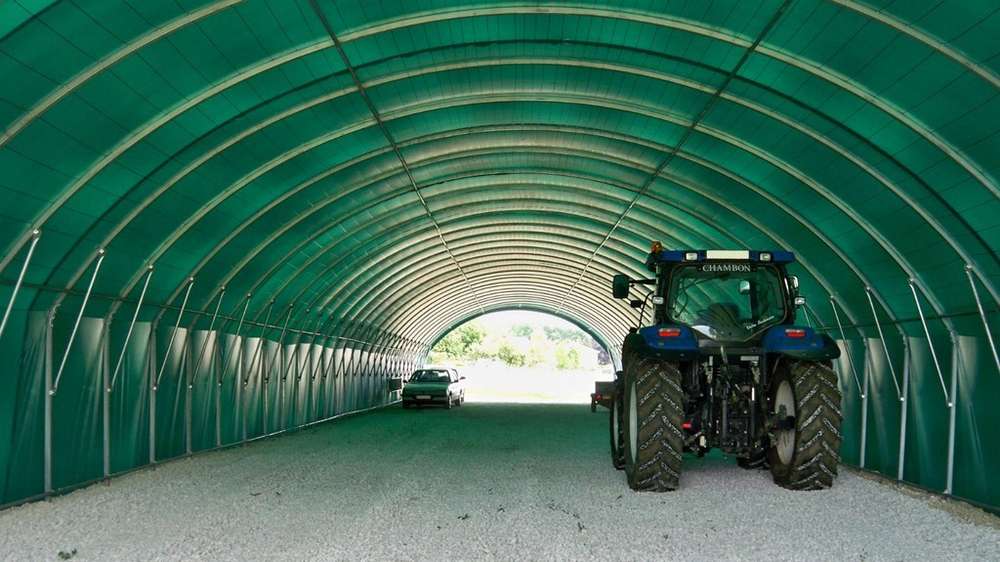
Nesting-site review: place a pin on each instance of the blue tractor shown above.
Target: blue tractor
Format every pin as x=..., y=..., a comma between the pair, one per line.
x=724, y=365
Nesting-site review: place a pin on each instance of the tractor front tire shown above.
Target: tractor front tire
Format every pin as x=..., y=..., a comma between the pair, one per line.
x=805, y=456
x=652, y=418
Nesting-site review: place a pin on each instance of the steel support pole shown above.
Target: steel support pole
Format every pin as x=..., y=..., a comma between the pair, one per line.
x=306, y=367
x=173, y=333
x=863, y=388
x=47, y=452
x=881, y=338
x=902, y=414
x=151, y=378
x=106, y=402
x=280, y=422
x=188, y=396
x=260, y=344
x=217, y=389
x=327, y=370
x=201, y=356
x=76, y=325
x=843, y=336
x=955, y=366
x=52, y=386
x=222, y=374
x=279, y=359
x=930, y=342
x=211, y=334
x=253, y=365
x=979, y=307
x=35, y=236
x=131, y=328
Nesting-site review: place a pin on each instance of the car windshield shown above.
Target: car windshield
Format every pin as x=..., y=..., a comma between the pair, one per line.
x=431, y=376
x=726, y=301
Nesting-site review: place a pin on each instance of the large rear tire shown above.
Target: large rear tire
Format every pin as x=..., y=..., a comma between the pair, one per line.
x=805, y=456
x=616, y=430
x=653, y=414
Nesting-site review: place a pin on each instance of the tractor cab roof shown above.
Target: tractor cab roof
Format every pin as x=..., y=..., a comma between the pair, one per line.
x=659, y=255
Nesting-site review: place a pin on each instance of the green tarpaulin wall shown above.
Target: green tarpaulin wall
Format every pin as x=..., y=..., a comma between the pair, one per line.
x=323, y=188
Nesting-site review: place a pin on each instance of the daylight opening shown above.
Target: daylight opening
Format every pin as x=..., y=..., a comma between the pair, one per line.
x=523, y=356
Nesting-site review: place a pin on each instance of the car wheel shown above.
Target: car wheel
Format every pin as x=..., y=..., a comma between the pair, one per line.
x=450, y=402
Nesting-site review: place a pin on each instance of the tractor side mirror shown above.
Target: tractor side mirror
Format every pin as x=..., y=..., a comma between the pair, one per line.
x=794, y=280
x=635, y=303
x=800, y=301
x=744, y=287
x=619, y=286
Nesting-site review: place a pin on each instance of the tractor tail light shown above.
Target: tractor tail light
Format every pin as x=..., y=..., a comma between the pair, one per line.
x=795, y=333
x=670, y=332
x=686, y=425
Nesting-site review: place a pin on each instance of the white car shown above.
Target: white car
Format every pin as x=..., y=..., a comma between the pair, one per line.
x=441, y=386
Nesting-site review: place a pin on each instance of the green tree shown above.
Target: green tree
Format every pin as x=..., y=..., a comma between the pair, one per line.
x=510, y=356
x=567, y=358
x=522, y=331
x=558, y=334
x=462, y=342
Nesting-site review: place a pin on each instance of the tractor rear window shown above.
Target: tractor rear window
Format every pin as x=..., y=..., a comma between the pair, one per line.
x=726, y=301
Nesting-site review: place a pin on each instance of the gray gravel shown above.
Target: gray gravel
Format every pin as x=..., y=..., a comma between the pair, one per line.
x=486, y=481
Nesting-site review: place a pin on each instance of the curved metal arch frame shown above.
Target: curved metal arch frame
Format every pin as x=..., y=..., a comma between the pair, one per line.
x=537, y=295
x=361, y=302
x=497, y=284
x=435, y=328
x=760, y=192
x=348, y=298
x=501, y=268
x=660, y=21
x=771, y=235
x=688, y=83
x=351, y=297
x=347, y=235
x=417, y=304
x=773, y=115
x=800, y=62
x=805, y=180
x=503, y=294
x=302, y=149
x=398, y=233
x=385, y=199
x=381, y=318
x=608, y=347
x=315, y=208
x=411, y=295
x=521, y=200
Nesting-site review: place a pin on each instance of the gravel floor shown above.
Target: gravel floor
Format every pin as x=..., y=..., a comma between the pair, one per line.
x=486, y=481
